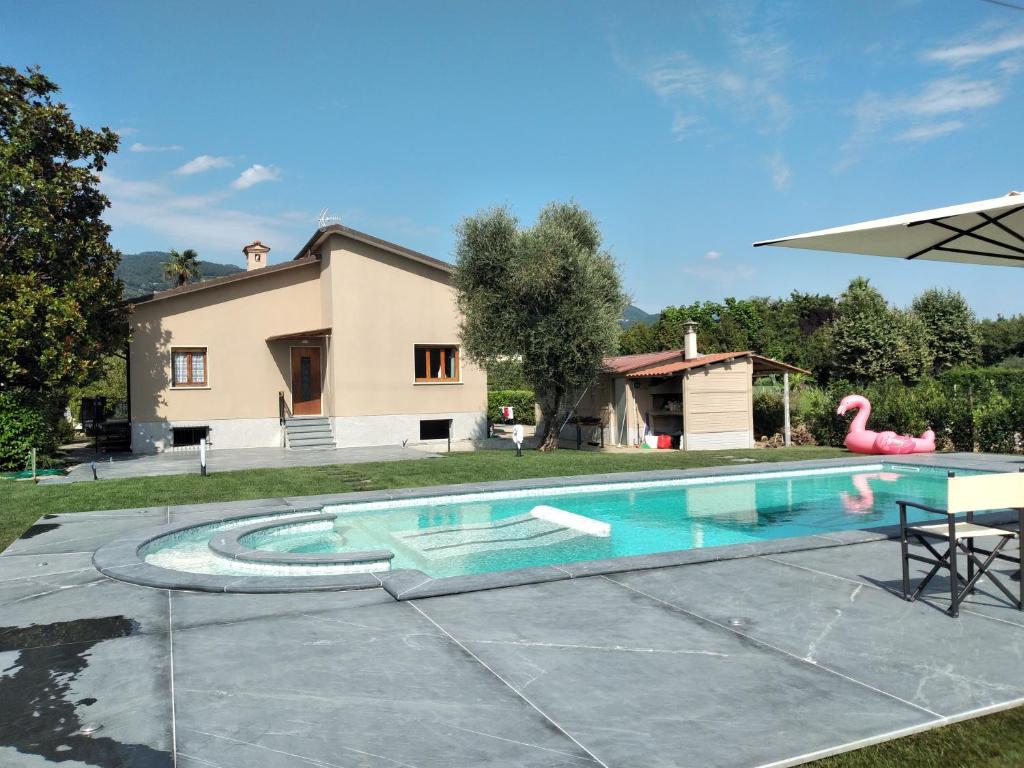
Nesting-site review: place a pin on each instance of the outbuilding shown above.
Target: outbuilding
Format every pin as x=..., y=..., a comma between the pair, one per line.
x=701, y=402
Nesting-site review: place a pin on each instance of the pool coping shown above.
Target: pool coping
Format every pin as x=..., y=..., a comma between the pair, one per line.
x=120, y=559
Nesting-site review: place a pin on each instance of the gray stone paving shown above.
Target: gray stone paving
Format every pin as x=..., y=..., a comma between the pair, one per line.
x=231, y=459
x=765, y=660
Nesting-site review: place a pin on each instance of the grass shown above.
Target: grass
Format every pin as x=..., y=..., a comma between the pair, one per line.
x=995, y=741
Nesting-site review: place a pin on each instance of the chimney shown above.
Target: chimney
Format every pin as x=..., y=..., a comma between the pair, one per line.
x=255, y=255
x=690, y=340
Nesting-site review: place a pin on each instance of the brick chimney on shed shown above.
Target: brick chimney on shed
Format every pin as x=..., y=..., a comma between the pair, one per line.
x=255, y=255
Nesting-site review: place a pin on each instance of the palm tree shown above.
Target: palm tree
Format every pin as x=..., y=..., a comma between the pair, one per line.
x=183, y=268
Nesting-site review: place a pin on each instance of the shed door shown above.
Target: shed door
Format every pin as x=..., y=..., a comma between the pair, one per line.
x=306, y=381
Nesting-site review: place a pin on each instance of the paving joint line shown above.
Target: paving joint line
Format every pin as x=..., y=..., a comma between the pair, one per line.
x=764, y=644
x=507, y=684
x=170, y=642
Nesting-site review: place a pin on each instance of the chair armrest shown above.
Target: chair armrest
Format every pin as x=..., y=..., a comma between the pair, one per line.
x=917, y=505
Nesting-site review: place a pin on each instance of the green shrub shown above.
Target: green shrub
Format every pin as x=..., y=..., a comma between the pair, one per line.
x=768, y=413
x=521, y=400
x=26, y=422
x=995, y=425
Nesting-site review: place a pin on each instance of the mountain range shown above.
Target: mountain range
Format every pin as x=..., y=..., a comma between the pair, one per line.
x=143, y=273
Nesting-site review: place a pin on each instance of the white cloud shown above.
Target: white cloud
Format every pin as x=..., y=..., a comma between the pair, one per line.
x=256, y=174
x=743, y=78
x=126, y=131
x=681, y=124
x=978, y=49
x=946, y=96
x=781, y=172
x=930, y=131
x=200, y=222
x=713, y=255
x=201, y=164
x=954, y=94
x=137, y=147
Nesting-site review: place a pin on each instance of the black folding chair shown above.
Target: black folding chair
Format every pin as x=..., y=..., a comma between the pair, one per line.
x=966, y=495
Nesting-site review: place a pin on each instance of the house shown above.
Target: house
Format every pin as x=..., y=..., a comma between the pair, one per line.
x=354, y=342
x=702, y=402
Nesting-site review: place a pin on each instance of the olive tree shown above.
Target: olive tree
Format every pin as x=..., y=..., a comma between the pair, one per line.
x=547, y=294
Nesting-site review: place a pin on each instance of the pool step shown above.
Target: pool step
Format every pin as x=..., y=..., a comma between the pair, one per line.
x=521, y=532
x=305, y=432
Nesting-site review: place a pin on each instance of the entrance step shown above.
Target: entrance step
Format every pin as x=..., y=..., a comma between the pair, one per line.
x=309, y=432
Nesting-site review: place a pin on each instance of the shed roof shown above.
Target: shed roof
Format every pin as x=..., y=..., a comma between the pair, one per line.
x=627, y=363
x=671, y=362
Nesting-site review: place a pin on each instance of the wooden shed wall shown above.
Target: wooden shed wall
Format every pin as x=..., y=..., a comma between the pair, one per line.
x=718, y=406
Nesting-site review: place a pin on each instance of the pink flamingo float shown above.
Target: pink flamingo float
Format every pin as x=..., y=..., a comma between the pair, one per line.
x=861, y=440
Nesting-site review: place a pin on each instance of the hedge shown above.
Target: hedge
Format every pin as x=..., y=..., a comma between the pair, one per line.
x=969, y=409
x=27, y=421
x=521, y=400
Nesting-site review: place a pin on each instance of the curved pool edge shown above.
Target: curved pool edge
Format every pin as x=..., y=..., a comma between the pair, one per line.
x=120, y=558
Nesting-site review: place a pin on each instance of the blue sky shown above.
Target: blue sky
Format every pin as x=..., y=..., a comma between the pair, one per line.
x=689, y=129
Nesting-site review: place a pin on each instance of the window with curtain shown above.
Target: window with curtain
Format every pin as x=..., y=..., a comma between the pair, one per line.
x=436, y=364
x=188, y=367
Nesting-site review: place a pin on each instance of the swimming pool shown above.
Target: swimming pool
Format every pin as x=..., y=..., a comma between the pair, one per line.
x=481, y=533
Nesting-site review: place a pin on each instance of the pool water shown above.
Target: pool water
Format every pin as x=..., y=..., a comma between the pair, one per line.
x=479, y=533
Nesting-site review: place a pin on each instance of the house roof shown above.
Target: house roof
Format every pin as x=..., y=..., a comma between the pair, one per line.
x=399, y=250
x=307, y=255
x=671, y=362
x=216, y=282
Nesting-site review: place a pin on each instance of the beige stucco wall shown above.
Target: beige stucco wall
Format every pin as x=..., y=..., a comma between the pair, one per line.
x=382, y=306
x=233, y=322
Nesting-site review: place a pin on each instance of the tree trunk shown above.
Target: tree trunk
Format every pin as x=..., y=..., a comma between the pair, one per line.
x=551, y=420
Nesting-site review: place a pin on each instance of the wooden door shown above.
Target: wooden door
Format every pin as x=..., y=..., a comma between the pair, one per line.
x=306, y=381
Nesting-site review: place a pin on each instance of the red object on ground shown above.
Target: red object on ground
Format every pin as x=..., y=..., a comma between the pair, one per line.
x=664, y=441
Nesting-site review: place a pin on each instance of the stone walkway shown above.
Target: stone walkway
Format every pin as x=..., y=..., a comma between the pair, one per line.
x=760, y=661
x=228, y=459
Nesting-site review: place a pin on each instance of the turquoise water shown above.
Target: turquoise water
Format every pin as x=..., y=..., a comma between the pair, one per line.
x=493, y=532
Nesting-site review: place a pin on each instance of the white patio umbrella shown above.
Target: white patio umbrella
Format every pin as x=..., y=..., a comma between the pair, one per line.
x=985, y=232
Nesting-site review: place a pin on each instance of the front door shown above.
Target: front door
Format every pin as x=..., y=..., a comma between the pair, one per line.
x=305, y=381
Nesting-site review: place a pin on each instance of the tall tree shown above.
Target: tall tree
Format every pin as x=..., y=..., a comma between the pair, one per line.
x=182, y=268
x=869, y=340
x=548, y=294
x=1001, y=338
x=60, y=304
x=951, y=329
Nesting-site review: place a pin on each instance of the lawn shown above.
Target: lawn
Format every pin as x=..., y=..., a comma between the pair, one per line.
x=995, y=741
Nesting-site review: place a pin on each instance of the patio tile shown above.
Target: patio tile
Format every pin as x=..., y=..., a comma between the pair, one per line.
x=193, y=610
x=911, y=650
x=114, y=680
x=642, y=684
x=82, y=532
x=879, y=565
x=364, y=684
x=32, y=566
x=62, y=599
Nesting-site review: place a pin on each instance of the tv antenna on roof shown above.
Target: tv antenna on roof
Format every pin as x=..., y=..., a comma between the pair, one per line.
x=323, y=220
